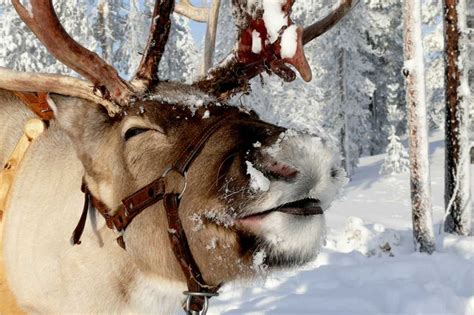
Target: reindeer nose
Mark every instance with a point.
(276, 169)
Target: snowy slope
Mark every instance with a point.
(368, 265)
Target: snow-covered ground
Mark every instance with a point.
(368, 265)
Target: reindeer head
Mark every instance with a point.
(255, 191)
(254, 195)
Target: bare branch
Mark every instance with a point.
(53, 83)
(194, 13)
(210, 41)
(45, 24)
(159, 31)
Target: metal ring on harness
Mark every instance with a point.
(185, 175)
(189, 297)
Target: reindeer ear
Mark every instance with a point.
(84, 122)
(76, 116)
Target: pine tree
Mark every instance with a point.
(396, 160)
(418, 139)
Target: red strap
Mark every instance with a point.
(38, 103)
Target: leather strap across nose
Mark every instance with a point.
(198, 291)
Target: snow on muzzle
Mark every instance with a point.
(295, 180)
(298, 171)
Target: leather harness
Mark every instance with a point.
(198, 291)
(37, 103)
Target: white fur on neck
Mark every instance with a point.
(149, 294)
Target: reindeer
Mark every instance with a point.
(181, 192)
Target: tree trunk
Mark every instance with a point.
(417, 125)
(457, 169)
(345, 127)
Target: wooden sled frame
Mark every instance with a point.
(32, 129)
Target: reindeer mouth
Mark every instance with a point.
(303, 207)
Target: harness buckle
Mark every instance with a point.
(189, 299)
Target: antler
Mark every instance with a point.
(115, 93)
(43, 21)
(322, 26)
(204, 15)
(268, 41)
(194, 13)
(52, 83)
(210, 41)
(147, 72)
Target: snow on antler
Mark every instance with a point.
(267, 34)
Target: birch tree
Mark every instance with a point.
(457, 161)
(417, 125)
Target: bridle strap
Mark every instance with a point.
(188, 155)
(180, 245)
(127, 211)
(77, 233)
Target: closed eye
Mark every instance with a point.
(134, 131)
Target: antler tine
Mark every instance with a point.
(205, 15)
(52, 83)
(322, 26)
(43, 21)
(147, 73)
(184, 7)
(232, 75)
(211, 32)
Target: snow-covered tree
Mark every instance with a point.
(108, 28)
(434, 63)
(351, 112)
(136, 29)
(180, 59)
(417, 123)
(21, 50)
(385, 35)
(397, 157)
(396, 160)
(457, 173)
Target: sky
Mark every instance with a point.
(198, 29)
